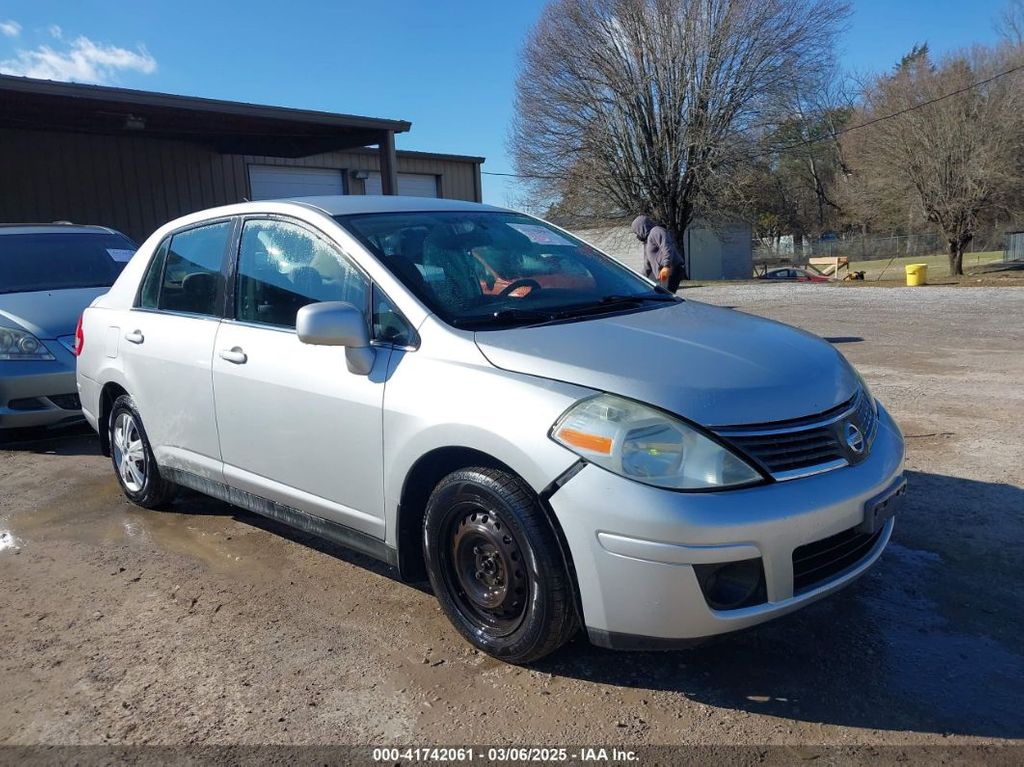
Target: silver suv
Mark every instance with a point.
(473, 395)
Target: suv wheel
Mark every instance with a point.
(495, 566)
(133, 460)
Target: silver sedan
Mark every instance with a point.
(479, 398)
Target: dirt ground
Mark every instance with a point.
(208, 625)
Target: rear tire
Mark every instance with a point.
(132, 457)
(495, 566)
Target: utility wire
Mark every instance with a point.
(901, 112)
(836, 134)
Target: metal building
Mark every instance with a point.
(134, 160)
(719, 252)
(1014, 249)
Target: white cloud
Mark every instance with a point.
(56, 32)
(82, 61)
(10, 28)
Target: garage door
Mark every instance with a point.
(268, 182)
(409, 184)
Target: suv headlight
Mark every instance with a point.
(19, 345)
(649, 446)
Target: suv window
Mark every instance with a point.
(192, 278)
(283, 267)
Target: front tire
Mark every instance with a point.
(495, 566)
(132, 456)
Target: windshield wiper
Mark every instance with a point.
(533, 317)
(629, 298)
(613, 302)
(512, 316)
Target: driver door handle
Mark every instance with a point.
(135, 337)
(234, 355)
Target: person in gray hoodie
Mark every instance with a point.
(662, 260)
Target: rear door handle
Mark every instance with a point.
(135, 337)
(234, 355)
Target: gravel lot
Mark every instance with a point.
(207, 625)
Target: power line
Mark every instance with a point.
(901, 112)
(836, 134)
(521, 175)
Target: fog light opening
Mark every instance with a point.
(731, 585)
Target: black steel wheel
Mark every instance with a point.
(489, 573)
(495, 565)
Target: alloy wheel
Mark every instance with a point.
(129, 452)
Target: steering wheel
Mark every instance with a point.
(525, 282)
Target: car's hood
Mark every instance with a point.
(47, 313)
(711, 365)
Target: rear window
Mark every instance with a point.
(61, 260)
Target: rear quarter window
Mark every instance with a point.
(149, 294)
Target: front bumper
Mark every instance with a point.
(634, 546)
(29, 385)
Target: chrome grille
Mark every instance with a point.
(798, 448)
(866, 415)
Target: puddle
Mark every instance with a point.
(95, 511)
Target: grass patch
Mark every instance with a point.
(938, 264)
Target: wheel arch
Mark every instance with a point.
(420, 481)
(108, 395)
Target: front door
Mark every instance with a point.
(295, 425)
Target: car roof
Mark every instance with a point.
(55, 228)
(345, 204)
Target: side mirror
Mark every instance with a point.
(337, 323)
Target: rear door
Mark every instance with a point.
(167, 346)
(296, 426)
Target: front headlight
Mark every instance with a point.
(19, 345)
(641, 443)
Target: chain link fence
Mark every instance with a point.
(873, 247)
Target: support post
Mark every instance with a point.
(388, 164)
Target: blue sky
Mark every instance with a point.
(448, 66)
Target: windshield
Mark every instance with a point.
(494, 268)
(61, 260)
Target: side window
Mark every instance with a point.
(388, 325)
(283, 266)
(193, 281)
(151, 282)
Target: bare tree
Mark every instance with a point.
(654, 106)
(944, 143)
(807, 156)
(1009, 24)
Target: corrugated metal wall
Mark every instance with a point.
(136, 184)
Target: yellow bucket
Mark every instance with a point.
(917, 274)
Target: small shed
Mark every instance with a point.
(719, 252)
(1014, 250)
